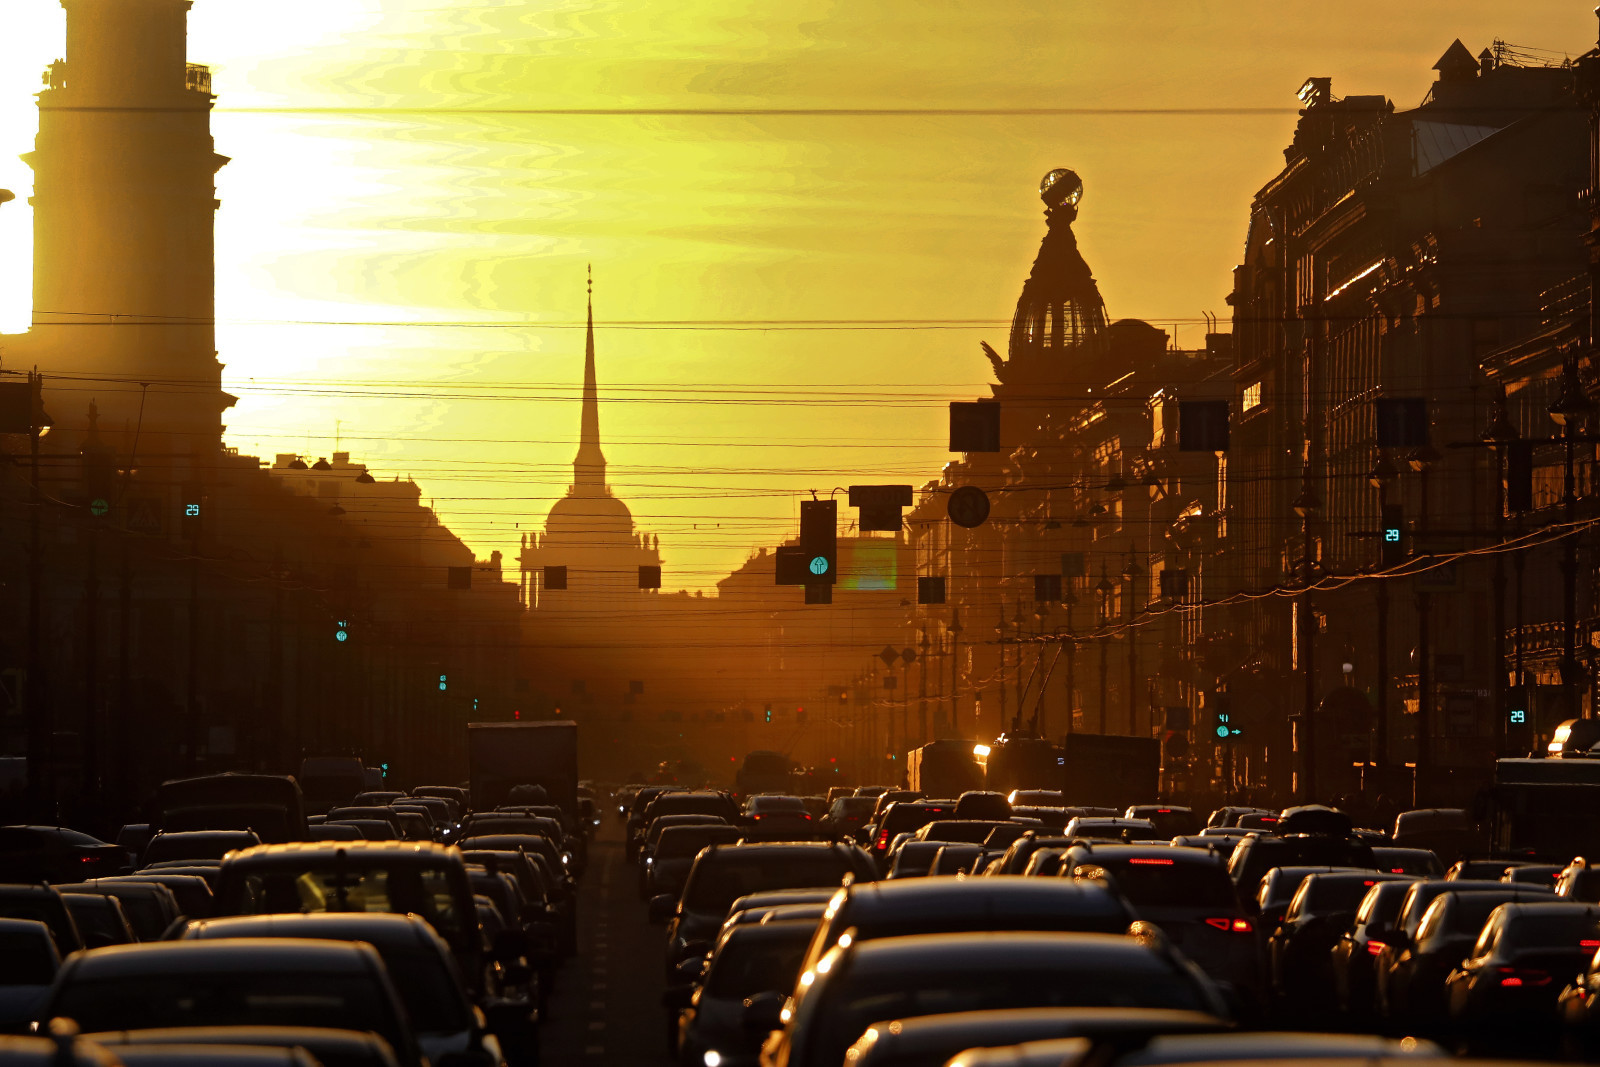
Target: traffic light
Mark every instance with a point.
(1223, 726)
(341, 631)
(444, 682)
(819, 525)
(769, 712)
(1391, 536)
(189, 519)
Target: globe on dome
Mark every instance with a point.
(1061, 186)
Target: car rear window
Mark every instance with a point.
(28, 960)
(680, 841)
(154, 1001)
(746, 966)
(721, 878)
(932, 991)
(1154, 881)
(1532, 930)
(431, 996)
(425, 891)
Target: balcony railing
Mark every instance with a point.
(197, 77)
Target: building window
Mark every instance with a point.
(1252, 397)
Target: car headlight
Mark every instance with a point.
(712, 1057)
(648, 861)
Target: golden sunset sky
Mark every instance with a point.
(802, 214)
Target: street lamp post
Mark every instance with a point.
(1500, 435)
(1000, 634)
(1422, 461)
(1131, 574)
(955, 645)
(1306, 505)
(1568, 410)
(1070, 599)
(1383, 472)
(1104, 587)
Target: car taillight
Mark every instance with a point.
(1232, 926)
(1589, 944)
(1518, 977)
(883, 839)
(87, 859)
(1374, 948)
(806, 817)
(1394, 870)
(757, 818)
(1151, 861)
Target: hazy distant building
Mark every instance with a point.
(589, 540)
(124, 204)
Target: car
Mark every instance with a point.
(1479, 870)
(334, 831)
(378, 797)
(62, 1048)
(1578, 881)
(1354, 955)
(1188, 895)
(1509, 986)
(1300, 946)
(856, 984)
(905, 816)
(151, 908)
(1018, 852)
(1222, 845)
(982, 804)
(959, 831)
(1095, 828)
(234, 982)
(29, 960)
(198, 1055)
(1045, 863)
(1544, 874)
(419, 965)
(356, 814)
(956, 858)
(930, 1040)
(677, 803)
(871, 910)
(42, 903)
(1284, 1047)
(1258, 853)
(270, 806)
(1229, 815)
(370, 829)
(1449, 833)
(196, 845)
(1412, 973)
(667, 866)
(1173, 820)
(1277, 889)
(912, 859)
(56, 854)
(769, 817)
(748, 960)
(1414, 861)
(1053, 820)
(847, 816)
(190, 886)
(101, 920)
(400, 877)
(1037, 798)
(326, 1046)
(721, 874)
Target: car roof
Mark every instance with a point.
(381, 929)
(206, 1055)
(1012, 1025)
(942, 894)
(295, 853)
(26, 928)
(1155, 850)
(264, 955)
(1019, 952)
(799, 930)
(347, 1041)
(1201, 1048)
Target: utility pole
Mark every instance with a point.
(955, 658)
(1421, 460)
(1104, 587)
(1306, 506)
(1568, 410)
(1131, 573)
(1383, 472)
(1000, 634)
(1499, 436)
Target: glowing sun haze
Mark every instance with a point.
(402, 162)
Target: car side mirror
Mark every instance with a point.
(763, 1012)
(663, 908)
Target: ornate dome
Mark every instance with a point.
(1060, 306)
(589, 519)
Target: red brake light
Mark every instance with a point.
(87, 859)
(807, 816)
(1163, 811)
(1374, 948)
(1394, 870)
(757, 818)
(883, 839)
(1236, 926)
(1369, 883)
(1152, 861)
(1589, 944)
(1514, 977)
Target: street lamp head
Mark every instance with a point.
(1382, 472)
(1308, 503)
(1571, 403)
(1421, 459)
(6, 196)
(1500, 431)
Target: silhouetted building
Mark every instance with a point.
(124, 202)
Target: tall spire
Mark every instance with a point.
(589, 468)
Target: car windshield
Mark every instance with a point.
(728, 876)
(935, 991)
(425, 891)
(154, 1001)
(746, 966)
(1165, 883)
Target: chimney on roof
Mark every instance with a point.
(1457, 64)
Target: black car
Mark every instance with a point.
(749, 960)
(1300, 945)
(1525, 958)
(56, 854)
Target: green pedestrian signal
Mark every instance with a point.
(819, 565)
